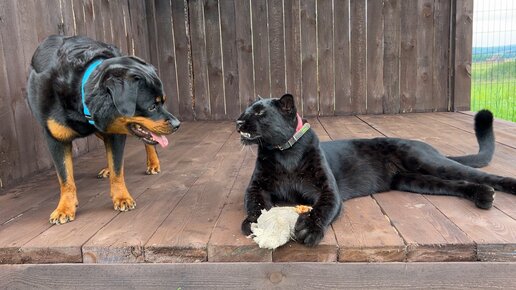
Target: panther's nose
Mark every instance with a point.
(239, 123)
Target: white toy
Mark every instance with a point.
(275, 227)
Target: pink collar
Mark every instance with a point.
(299, 123)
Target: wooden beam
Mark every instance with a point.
(261, 276)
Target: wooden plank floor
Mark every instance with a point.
(192, 211)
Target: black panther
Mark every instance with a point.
(292, 166)
(78, 86)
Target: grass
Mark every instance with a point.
(493, 87)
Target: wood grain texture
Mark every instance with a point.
(408, 56)
(358, 57)
(375, 58)
(425, 58)
(441, 64)
(263, 276)
(293, 50)
(167, 57)
(201, 92)
(230, 62)
(244, 54)
(365, 234)
(214, 56)
(183, 236)
(310, 105)
(227, 243)
(261, 60)
(325, 54)
(183, 60)
(276, 47)
(342, 58)
(462, 55)
(391, 57)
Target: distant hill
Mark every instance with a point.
(499, 53)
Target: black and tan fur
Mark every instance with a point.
(122, 94)
(325, 174)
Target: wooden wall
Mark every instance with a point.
(215, 56)
(23, 24)
(335, 56)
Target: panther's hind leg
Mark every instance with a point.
(451, 170)
(482, 195)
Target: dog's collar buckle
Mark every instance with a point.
(85, 77)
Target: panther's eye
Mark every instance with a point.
(259, 113)
(152, 108)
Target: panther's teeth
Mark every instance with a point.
(246, 135)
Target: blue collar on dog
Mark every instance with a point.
(85, 77)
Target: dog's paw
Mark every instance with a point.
(103, 173)
(246, 225)
(62, 215)
(484, 196)
(124, 203)
(153, 169)
(308, 231)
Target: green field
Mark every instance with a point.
(493, 87)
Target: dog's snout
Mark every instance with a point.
(174, 123)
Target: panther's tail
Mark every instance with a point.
(486, 142)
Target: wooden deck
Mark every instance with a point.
(192, 211)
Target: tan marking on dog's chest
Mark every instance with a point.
(59, 131)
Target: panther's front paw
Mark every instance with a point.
(307, 230)
(484, 196)
(124, 203)
(246, 225)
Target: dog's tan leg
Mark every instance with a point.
(104, 172)
(65, 211)
(122, 200)
(153, 166)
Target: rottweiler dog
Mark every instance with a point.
(77, 87)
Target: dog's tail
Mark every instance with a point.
(486, 142)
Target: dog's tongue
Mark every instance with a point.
(161, 139)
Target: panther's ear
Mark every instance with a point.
(124, 92)
(287, 103)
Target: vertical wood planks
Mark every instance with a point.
(391, 57)
(325, 54)
(199, 60)
(408, 54)
(244, 53)
(230, 61)
(167, 55)
(358, 57)
(342, 58)
(276, 47)
(293, 50)
(462, 50)
(309, 57)
(375, 43)
(260, 37)
(424, 91)
(214, 55)
(441, 53)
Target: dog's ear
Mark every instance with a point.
(124, 92)
(287, 103)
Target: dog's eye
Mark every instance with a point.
(152, 108)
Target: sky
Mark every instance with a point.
(494, 23)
